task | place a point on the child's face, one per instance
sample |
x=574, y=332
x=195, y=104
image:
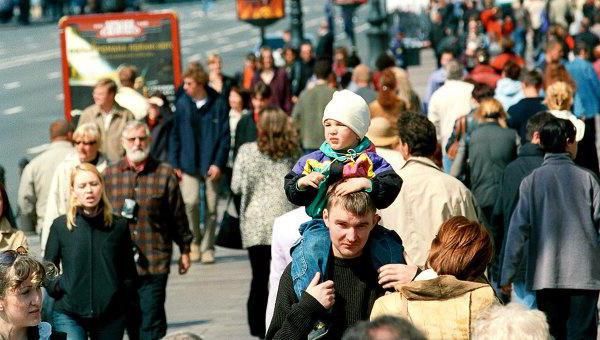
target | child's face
x=339, y=136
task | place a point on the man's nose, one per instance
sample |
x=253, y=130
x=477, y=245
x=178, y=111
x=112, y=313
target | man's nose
x=351, y=235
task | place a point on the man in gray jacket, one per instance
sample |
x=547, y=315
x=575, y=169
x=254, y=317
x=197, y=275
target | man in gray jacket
x=559, y=213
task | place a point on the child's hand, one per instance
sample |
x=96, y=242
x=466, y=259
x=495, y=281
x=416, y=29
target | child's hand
x=311, y=180
x=351, y=185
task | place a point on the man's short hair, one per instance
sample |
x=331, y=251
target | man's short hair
x=384, y=60
x=418, y=133
x=127, y=75
x=110, y=84
x=555, y=134
x=197, y=74
x=134, y=125
x=535, y=123
x=454, y=70
x=384, y=327
x=513, y=321
x=532, y=78
x=581, y=46
x=59, y=128
x=261, y=90
x=357, y=203
x=322, y=69
x=362, y=73
x=482, y=91
x=512, y=70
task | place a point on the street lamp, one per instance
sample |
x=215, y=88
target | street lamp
x=296, y=29
x=378, y=37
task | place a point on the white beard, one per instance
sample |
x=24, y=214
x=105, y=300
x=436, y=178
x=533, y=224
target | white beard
x=137, y=155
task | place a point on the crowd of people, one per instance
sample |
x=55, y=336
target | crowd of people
x=344, y=185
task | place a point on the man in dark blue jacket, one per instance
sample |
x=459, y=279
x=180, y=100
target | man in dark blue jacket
x=530, y=158
x=198, y=149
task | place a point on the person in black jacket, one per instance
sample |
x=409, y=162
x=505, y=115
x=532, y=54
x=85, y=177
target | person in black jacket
x=530, y=157
x=98, y=270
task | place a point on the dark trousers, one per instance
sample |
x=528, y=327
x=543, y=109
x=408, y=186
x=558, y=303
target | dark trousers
x=260, y=261
x=571, y=313
x=147, y=318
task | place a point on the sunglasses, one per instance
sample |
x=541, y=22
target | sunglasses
x=85, y=143
x=8, y=257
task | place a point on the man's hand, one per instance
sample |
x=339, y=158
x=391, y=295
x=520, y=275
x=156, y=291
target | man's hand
x=311, y=180
x=351, y=185
x=184, y=263
x=506, y=289
x=178, y=174
x=322, y=292
x=213, y=173
x=392, y=274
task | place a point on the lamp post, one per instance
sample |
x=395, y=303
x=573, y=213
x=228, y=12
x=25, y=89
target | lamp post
x=296, y=28
x=378, y=37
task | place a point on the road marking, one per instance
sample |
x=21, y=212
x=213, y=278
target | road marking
x=53, y=75
x=29, y=59
x=13, y=110
x=60, y=97
x=12, y=86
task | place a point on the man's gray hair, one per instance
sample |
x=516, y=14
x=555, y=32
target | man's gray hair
x=513, y=321
x=384, y=327
x=454, y=70
x=134, y=125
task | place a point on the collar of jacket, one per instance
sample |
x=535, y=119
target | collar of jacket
x=211, y=96
x=421, y=160
x=530, y=149
x=151, y=164
x=442, y=287
x=117, y=110
x=557, y=158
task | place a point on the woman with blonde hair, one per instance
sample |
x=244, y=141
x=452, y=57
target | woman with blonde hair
x=559, y=100
x=445, y=299
x=388, y=104
x=95, y=250
x=405, y=91
x=87, y=139
x=21, y=278
x=258, y=174
x=491, y=147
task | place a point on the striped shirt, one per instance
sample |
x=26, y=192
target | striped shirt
x=160, y=216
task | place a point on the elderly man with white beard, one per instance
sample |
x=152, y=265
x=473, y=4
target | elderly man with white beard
x=146, y=192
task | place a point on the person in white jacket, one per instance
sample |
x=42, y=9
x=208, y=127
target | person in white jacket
x=87, y=140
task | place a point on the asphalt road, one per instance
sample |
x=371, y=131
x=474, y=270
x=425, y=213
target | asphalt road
x=31, y=93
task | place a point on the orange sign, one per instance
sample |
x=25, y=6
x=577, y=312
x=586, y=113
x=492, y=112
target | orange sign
x=250, y=10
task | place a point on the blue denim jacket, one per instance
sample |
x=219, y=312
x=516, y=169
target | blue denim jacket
x=311, y=252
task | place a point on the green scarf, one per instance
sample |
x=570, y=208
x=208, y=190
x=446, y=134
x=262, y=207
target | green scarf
x=315, y=209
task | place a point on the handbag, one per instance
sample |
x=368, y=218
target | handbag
x=460, y=131
x=229, y=235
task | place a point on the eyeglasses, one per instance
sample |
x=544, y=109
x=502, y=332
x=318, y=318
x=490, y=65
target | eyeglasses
x=85, y=143
x=132, y=139
x=8, y=257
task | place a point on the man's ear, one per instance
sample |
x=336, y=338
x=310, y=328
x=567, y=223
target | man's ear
x=325, y=216
x=376, y=219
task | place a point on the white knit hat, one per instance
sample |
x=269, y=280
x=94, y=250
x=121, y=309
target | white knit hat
x=349, y=109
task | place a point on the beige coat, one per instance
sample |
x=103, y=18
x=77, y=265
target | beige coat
x=11, y=238
x=428, y=197
x=111, y=138
x=442, y=308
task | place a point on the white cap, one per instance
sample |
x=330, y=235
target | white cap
x=579, y=124
x=349, y=109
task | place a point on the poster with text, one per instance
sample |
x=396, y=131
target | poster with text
x=258, y=10
x=93, y=47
